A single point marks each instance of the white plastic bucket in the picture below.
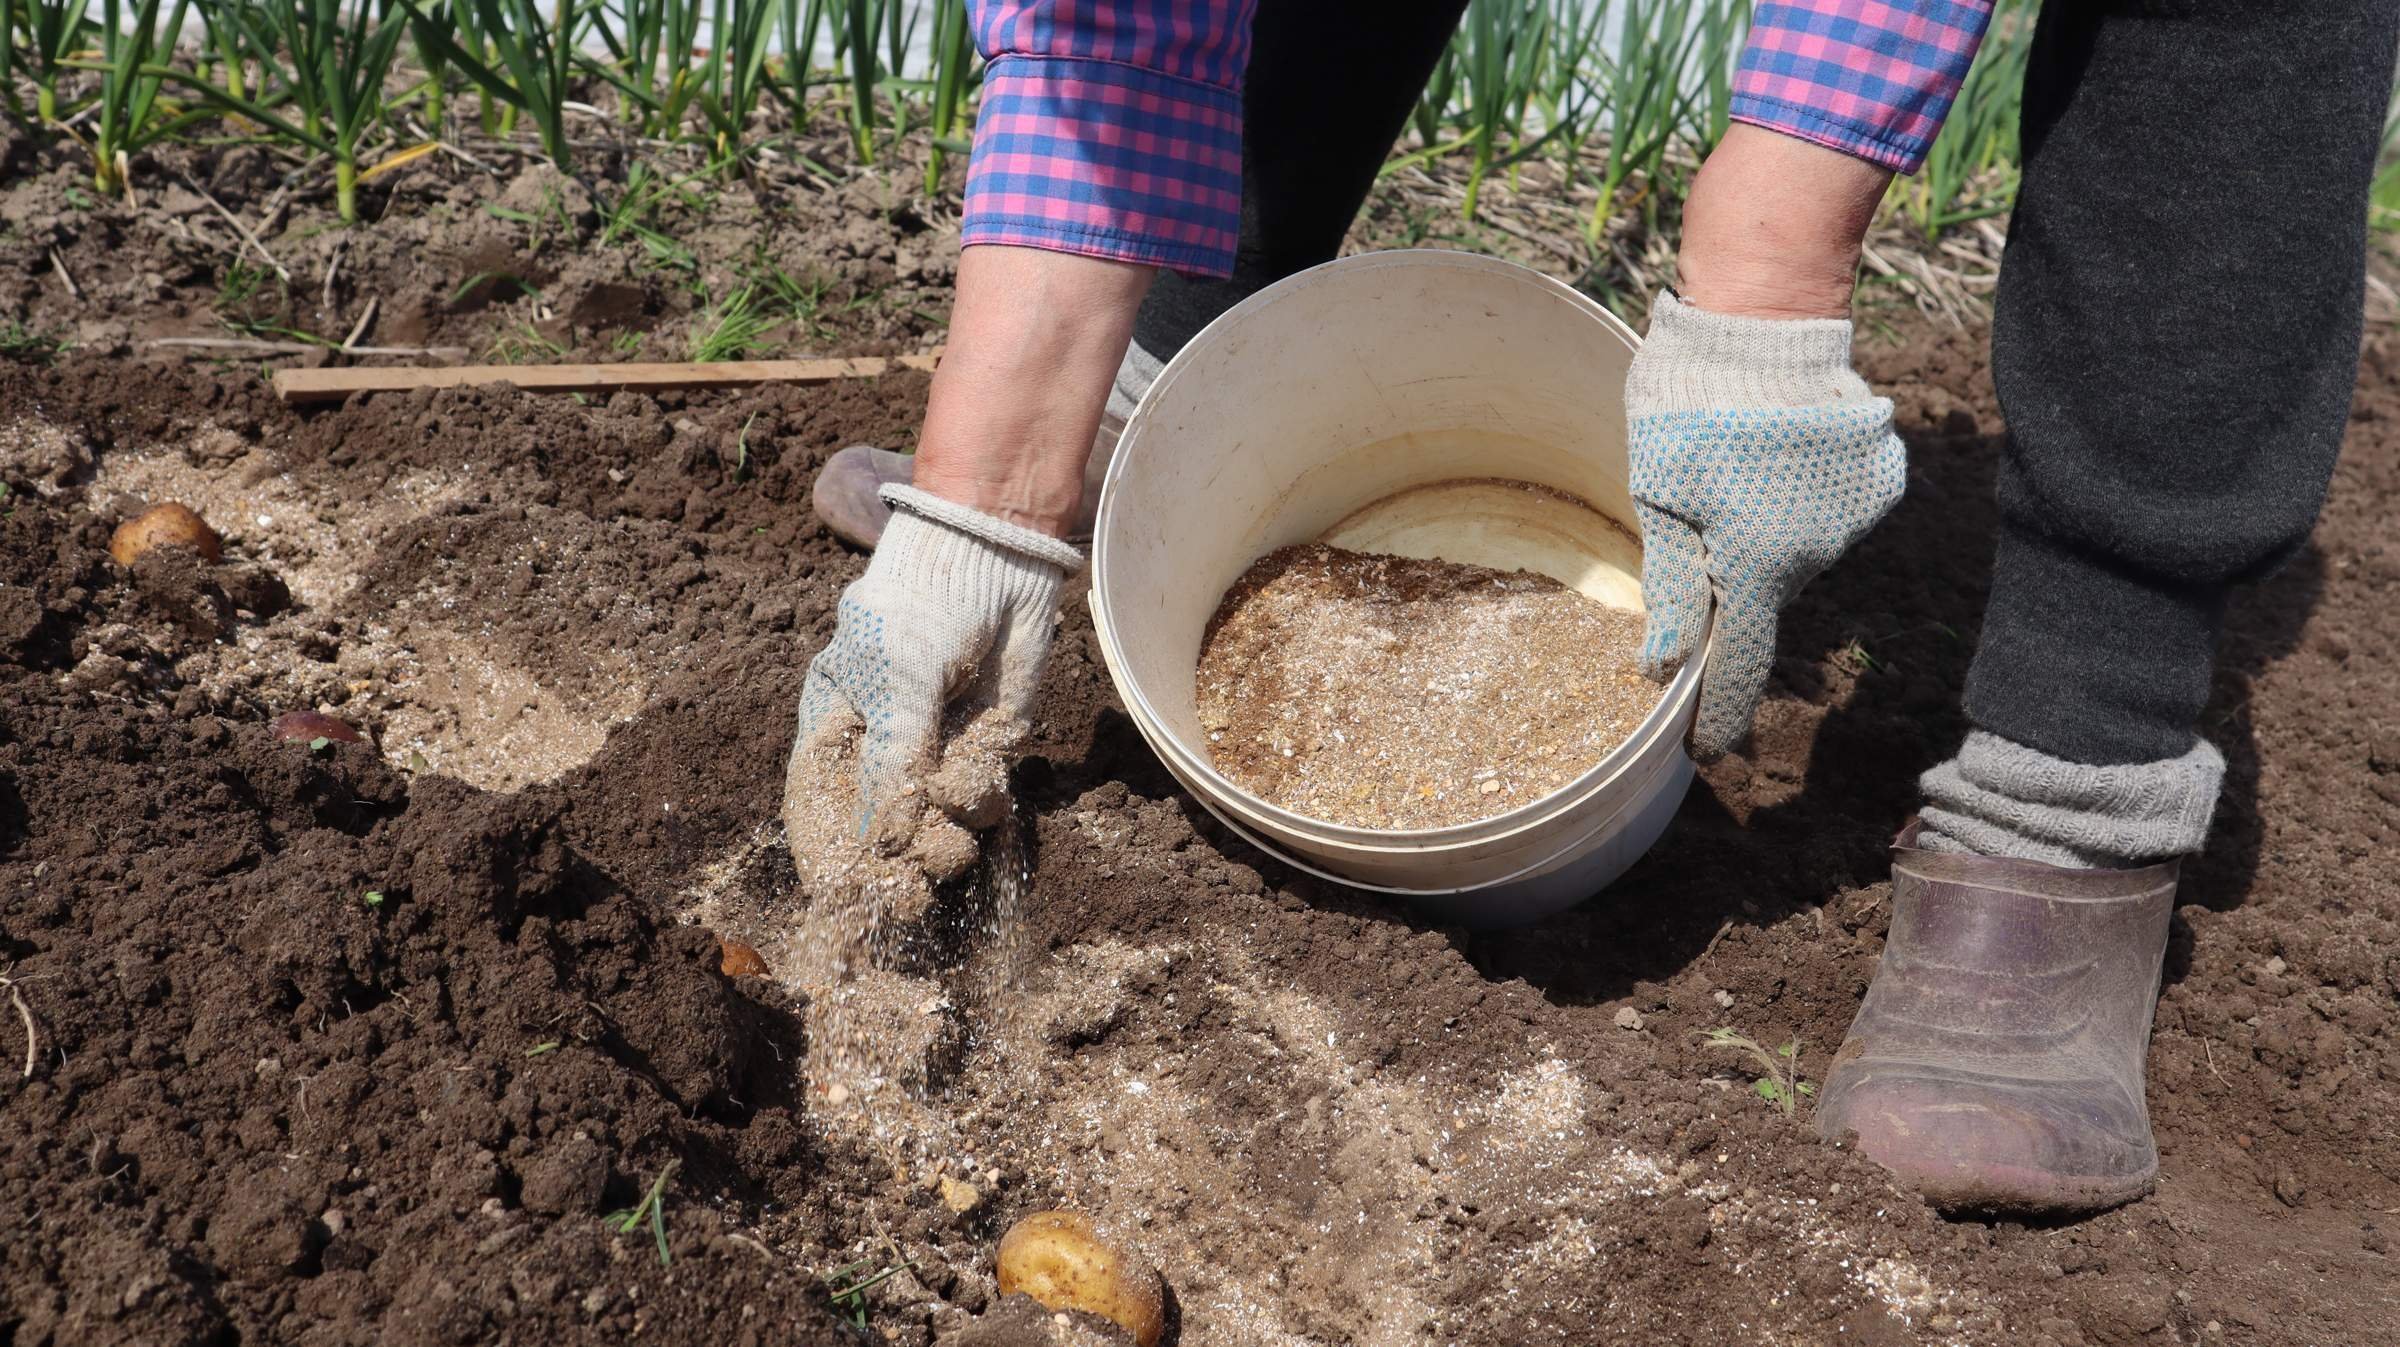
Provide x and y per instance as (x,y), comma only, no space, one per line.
(1370,402)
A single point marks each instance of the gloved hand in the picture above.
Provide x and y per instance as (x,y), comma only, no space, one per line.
(907,715)
(1759,456)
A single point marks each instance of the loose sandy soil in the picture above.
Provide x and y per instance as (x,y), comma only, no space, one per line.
(262,1108)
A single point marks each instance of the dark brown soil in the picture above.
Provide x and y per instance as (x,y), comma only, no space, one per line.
(263,1108)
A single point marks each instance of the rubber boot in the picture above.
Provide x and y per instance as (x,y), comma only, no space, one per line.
(1997,1062)
(848,501)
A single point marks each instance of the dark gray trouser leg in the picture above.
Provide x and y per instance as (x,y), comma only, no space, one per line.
(2175,342)
(1330,87)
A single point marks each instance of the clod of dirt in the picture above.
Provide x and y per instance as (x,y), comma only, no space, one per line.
(313,725)
(568,1177)
(1061,1260)
(1387,692)
(1021,1321)
(167,525)
(740,961)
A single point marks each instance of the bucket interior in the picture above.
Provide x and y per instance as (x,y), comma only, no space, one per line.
(1506,524)
(1427,404)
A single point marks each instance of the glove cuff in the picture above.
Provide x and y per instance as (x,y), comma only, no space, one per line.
(1694,360)
(965,519)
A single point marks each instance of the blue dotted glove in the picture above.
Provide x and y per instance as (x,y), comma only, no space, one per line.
(1759,456)
(944,635)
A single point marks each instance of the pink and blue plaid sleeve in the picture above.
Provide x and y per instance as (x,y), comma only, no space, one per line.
(1111,128)
(1873,78)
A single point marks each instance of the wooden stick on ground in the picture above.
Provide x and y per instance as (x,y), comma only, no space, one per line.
(333,385)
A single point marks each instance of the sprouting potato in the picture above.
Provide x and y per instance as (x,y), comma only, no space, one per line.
(1061,1261)
(163,525)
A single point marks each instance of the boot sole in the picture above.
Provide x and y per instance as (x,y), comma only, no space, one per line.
(2010,1190)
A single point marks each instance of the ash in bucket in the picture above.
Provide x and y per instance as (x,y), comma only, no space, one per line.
(1386,692)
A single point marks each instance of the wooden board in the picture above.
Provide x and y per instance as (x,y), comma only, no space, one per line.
(333,385)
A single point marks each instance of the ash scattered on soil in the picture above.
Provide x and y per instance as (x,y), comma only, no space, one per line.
(1387,692)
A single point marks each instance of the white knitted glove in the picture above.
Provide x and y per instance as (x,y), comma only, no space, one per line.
(1759,456)
(942,639)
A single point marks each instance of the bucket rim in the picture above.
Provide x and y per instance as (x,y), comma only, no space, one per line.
(1675,699)
(1529,871)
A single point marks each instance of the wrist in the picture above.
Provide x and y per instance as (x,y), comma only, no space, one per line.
(1774,225)
(1035,492)
(1035,340)
(1768,287)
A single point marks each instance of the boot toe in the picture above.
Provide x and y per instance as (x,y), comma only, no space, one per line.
(1968,1142)
(847,496)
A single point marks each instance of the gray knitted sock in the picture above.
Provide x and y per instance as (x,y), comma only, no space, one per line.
(2000,798)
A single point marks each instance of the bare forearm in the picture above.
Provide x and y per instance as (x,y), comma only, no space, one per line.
(1035,339)
(1773,226)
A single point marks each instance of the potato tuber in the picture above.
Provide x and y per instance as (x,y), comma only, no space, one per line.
(738,960)
(163,526)
(1060,1260)
(313,725)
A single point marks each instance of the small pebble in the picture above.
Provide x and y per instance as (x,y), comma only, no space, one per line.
(1723,997)
(960,1197)
(1628,1018)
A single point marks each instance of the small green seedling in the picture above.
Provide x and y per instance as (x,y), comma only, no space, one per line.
(19,342)
(496,279)
(848,1285)
(653,1209)
(732,327)
(319,744)
(525,344)
(374,898)
(539,1048)
(1782,1085)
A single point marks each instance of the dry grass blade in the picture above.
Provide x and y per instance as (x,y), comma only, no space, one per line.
(24,1012)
